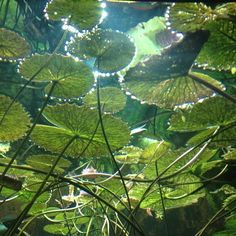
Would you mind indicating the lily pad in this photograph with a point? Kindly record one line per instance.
(171, 92)
(205, 115)
(45, 162)
(164, 81)
(186, 17)
(81, 124)
(84, 14)
(73, 78)
(112, 50)
(129, 155)
(220, 50)
(112, 99)
(12, 45)
(16, 121)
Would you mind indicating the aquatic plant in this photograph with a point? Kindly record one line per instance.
(104, 132)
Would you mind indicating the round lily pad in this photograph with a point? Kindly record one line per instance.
(16, 121)
(84, 14)
(82, 124)
(12, 45)
(73, 78)
(171, 92)
(112, 50)
(112, 99)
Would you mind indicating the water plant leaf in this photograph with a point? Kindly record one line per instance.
(164, 160)
(80, 123)
(112, 99)
(84, 14)
(211, 115)
(45, 162)
(12, 45)
(112, 50)
(186, 17)
(73, 78)
(220, 51)
(129, 155)
(16, 122)
(230, 156)
(170, 92)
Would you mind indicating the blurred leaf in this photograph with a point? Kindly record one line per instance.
(112, 99)
(73, 78)
(79, 123)
(84, 14)
(12, 45)
(205, 115)
(166, 159)
(112, 50)
(230, 156)
(155, 151)
(230, 228)
(4, 147)
(16, 122)
(45, 162)
(219, 51)
(129, 155)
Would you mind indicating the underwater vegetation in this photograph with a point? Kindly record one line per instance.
(117, 125)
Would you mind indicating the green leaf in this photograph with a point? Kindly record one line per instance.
(73, 78)
(186, 17)
(230, 228)
(167, 158)
(230, 156)
(129, 155)
(112, 50)
(12, 45)
(45, 162)
(204, 115)
(170, 92)
(220, 51)
(82, 124)
(84, 14)
(155, 151)
(111, 99)
(16, 122)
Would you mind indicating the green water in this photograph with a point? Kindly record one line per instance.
(117, 118)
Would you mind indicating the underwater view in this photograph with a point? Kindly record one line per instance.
(117, 118)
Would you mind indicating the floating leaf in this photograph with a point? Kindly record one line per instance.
(155, 151)
(16, 122)
(45, 162)
(12, 45)
(73, 78)
(220, 50)
(82, 124)
(171, 92)
(129, 155)
(164, 160)
(112, 50)
(164, 81)
(111, 99)
(84, 14)
(186, 17)
(211, 115)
